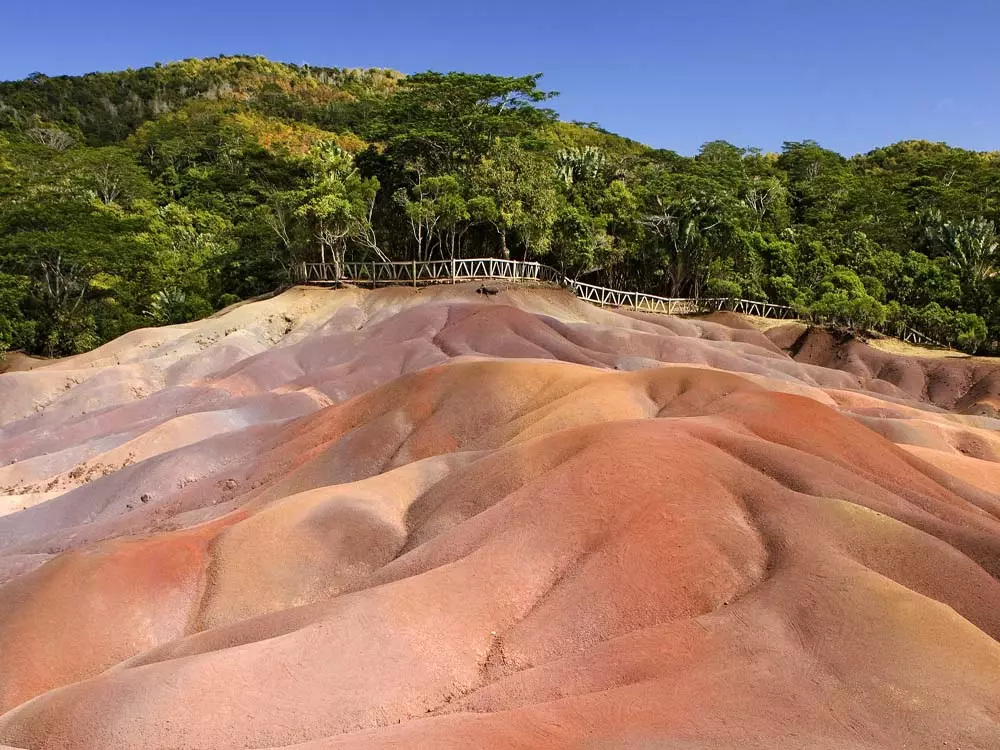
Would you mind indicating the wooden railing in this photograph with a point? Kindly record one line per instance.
(426, 272)
(421, 273)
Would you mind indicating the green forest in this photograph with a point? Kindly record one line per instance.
(159, 195)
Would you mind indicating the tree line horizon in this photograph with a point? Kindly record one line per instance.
(161, 194)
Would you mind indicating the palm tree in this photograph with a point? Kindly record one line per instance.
(688, 226)
(973, 247)
(579, 164)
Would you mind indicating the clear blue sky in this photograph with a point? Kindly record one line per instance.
(851, 74)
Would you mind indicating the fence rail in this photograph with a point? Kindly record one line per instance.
(425, 272)
(420, 273)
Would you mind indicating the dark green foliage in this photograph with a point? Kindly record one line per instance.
(963, 330)
(158, 195)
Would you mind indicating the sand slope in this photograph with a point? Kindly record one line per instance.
(970, 385)
(426, 519)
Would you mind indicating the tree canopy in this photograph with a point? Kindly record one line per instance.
(158, 195)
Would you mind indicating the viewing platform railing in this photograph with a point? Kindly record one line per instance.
(422, 273)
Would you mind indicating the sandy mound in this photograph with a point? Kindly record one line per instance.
(427, 519)
(19, 362)
(967, 385)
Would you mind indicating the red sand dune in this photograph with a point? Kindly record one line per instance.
(968, 385)
(424, 519)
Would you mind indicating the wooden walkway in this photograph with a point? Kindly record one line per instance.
(422, 273)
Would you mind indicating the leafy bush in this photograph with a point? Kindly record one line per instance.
(70, 334)
(171, 306)
(963, 330)
(845, 301)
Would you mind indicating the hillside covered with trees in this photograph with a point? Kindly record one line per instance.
(158, 195)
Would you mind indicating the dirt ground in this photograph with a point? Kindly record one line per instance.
(443, 519)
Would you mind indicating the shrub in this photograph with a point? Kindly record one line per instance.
(965, 331)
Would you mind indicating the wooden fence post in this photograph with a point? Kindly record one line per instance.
(414, 273)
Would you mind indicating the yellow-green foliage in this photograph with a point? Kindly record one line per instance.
(104, 108)
(294, 138)
(575, 135)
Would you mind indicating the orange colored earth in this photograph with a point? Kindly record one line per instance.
(428, 519)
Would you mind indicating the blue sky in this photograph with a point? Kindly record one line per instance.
(852, 75)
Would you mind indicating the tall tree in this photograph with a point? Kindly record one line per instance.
(973, 248)
(450, 120)
(335, 202)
